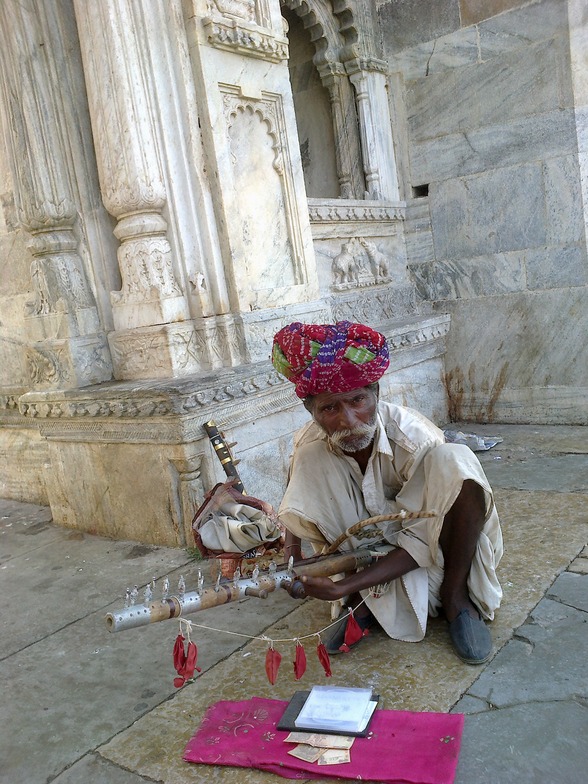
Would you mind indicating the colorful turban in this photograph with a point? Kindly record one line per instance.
(329, 357)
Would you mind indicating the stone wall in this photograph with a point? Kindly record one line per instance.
(494, 149)
(155, 233)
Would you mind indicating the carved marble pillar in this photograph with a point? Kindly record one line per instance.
(347, 145)
(153, 334)
(239, 57)
(68, 347)
(369, 80)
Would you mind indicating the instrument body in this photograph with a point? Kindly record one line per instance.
(286, 576)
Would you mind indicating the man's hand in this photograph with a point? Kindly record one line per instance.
(322, 588)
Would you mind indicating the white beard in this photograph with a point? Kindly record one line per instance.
(354, 439)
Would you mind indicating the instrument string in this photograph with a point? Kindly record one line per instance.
(189, 625)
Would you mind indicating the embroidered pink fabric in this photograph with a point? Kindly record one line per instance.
(402, 748)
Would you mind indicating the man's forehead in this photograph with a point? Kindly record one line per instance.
(333, 397)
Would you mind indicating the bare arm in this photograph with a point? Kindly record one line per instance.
(292, 547)
(384, 570)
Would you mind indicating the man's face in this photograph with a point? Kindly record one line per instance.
(348, 418)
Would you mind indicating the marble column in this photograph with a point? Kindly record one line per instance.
(153, 335)
(345, 125)
(67, 346)
(369, 80)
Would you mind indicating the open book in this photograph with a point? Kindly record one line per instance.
(337, 709)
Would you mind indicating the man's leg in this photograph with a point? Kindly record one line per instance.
(461, 530)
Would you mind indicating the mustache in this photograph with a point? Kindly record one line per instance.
(362, 434)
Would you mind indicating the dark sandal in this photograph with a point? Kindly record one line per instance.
(471, 639)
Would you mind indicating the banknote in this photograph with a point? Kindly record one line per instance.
(321, 741)
(306, 753)
(334, 757)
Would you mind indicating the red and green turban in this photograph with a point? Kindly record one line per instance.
(330, 357)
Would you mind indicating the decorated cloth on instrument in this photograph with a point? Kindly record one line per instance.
(330, 357)
(402, 747)
(230, 522)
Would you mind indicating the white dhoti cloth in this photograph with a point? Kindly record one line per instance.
(412, 469)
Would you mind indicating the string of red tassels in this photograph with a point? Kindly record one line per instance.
(184, 660)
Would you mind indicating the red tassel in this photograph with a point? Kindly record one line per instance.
(353, 633)
(299, 661)
(324, 659)
(179, 654)
(190, 664)
(272, 664)
(185, 663)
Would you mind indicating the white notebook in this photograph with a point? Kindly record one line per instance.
(337, 708)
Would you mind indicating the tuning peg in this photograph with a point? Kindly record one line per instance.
(181, 586)
(165, 588)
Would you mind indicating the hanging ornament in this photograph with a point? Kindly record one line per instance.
(272, 663)
(184, 661)
(190, 665)
(299, 661)
(353, 633)
(324, 658)
(179, 653)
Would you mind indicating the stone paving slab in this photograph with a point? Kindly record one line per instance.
(24, 527)
(564, 474)
(66, 578)
(542, 745)
(529, 439)
(528, 713)
(96, 770)
(545, 661)
(550, 458)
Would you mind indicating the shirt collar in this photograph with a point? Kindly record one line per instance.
(381, 442)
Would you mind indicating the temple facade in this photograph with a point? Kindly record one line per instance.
(181, 178)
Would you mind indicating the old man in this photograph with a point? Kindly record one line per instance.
(360, 457)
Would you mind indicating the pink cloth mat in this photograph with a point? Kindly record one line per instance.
(402, 747)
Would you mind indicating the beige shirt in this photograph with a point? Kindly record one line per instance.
(411, 469)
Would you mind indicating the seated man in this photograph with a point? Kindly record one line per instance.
(359, 458)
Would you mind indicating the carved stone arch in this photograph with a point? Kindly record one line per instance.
(333, 34)
(348, 27)
(332, 26)
(264, 114)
